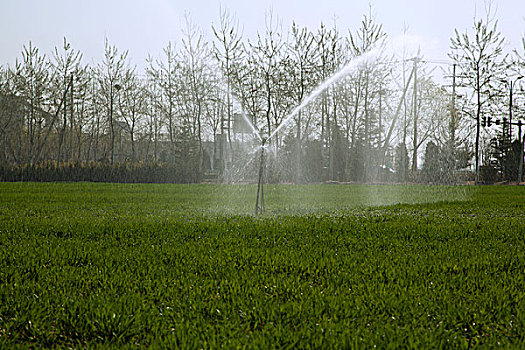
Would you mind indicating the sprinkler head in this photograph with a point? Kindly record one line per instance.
(264, 139)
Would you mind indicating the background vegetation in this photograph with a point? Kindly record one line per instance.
(184, 110)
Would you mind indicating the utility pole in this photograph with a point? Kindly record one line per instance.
(414, 145)
(451, 161)
(71, 110)
(510, 112)
(111, 124)
(221, 138)
(386, 142)
(521, 142)
(478, 126)
(453, 121)
(380, 113)
(511, 84)
(117, 87)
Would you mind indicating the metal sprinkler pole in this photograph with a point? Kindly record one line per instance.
(259, 201)
(522, 144)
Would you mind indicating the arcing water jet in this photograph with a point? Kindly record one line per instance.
(348, 68)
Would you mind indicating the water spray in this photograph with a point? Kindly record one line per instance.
(355, 63)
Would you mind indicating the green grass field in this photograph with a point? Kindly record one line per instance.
(327, 266)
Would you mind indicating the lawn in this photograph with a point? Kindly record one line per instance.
(344, 266)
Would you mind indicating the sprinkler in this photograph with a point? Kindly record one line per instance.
(259, 201)
(350, 67)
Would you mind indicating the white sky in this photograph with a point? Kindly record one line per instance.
(146, 26)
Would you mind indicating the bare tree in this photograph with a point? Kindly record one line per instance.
(110, 76)
(301, 65)
(195, 68)
(64, 67)
(82, 93)
(155, 121)
(10, 123)
(432, 112)
(327, 46)
(478, 56)
(229, 51)
(165, 74)
(32, 81)
(132, 105)
(215, 111)
(368, 87)
(266, 58)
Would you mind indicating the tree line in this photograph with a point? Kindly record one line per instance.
(387, 119)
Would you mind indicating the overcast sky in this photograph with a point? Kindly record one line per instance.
(146, 26)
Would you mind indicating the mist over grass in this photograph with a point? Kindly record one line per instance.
(163, 200)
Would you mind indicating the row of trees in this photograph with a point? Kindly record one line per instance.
(185, 108)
